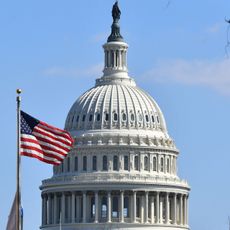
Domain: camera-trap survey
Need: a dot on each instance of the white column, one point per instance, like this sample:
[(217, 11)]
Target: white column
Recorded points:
[(84, 207), (158, 207), (181, 209), (63, 208), (55, 209), (120, 62), (152, 209), (49, 209), (167, 208), (134, 206), (43, 210), (109, 207), (46, 209), (175, 208), (73, 207), (161, 210), (187, 209), (96, 207), (146, 207), (122, 207), (142, 209)]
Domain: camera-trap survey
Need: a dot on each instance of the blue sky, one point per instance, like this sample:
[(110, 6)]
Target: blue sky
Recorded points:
[(53, 51)]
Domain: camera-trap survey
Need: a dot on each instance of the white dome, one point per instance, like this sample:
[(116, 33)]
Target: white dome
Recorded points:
[(115, 107)]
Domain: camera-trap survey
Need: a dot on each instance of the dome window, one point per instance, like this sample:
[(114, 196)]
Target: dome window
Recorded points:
[(91, 117), (154, 164), (84, 163), (106, 116), (153, 120), (77, 118), (147, 118), (115, 117), (126, 163), (124, 117), (98, 117), (83, 118), (136, 163), (104, 163), (146, 163), (94, 163), (158, 119), (76, 164), (115, 163), (132, 117)]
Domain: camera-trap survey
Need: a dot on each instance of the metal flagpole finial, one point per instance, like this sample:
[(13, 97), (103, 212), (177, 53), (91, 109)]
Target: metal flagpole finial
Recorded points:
[(19, 91)]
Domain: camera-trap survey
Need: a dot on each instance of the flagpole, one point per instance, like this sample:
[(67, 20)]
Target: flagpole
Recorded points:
[(18, 198)]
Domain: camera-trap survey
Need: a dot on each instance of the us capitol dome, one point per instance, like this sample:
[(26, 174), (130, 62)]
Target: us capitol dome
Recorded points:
[(121, 172)]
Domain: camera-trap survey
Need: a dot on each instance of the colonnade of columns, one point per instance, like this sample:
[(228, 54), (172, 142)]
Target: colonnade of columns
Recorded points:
[(146, 207)]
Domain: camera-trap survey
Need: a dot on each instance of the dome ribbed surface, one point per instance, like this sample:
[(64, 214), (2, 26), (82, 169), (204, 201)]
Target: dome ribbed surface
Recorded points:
[(115, 107)]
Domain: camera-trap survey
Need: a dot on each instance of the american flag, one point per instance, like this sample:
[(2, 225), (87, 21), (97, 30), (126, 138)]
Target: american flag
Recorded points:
[(42, 141)]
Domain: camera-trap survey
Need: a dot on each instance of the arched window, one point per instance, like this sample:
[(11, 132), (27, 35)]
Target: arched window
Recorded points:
[(115, 163), (106, 116), (136, 163), (68, 164), (77, 118), (98, 117), (162, 164), (153, 120), (123, 116), (104, 164), (83, 118), (104, 207), (147, 118), (84, 163), (94, 163), (168, 165), (76, 164), (154, 164), (158, 119), (90, 117), (115, 117), (115, 207), (146, 163), (126, 163), (132, 117)]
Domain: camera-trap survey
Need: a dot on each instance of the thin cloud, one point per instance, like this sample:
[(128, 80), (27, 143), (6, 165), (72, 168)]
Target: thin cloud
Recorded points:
[(212, 74), (92, 71), (215, 28), (100, 37)]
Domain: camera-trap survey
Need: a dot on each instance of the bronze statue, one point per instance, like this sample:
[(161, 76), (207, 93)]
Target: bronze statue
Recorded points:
[(116, 12)]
